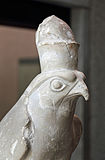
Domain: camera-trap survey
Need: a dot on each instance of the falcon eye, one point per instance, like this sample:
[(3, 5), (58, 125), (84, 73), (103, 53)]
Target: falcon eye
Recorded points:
[(57, 85)]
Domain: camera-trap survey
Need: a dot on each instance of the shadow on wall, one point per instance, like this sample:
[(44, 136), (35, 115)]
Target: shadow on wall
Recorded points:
[(28, 69)]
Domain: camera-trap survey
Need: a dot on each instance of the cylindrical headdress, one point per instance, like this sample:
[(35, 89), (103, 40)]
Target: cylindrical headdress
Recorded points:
[(56, 45)]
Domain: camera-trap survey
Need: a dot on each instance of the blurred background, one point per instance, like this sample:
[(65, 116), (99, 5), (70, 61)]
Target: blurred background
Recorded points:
[(19, 62)]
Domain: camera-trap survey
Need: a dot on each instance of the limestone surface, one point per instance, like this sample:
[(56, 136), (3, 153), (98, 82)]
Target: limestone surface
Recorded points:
[(42, 124)]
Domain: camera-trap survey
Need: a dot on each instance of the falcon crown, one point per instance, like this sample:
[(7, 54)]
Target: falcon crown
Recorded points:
[(56, 45)]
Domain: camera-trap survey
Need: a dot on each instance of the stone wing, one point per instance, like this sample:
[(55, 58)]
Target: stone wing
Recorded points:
[(77, 131), (12, 143)]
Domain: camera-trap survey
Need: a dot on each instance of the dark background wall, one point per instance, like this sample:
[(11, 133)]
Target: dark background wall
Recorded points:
[(29, 13), (97, 80)]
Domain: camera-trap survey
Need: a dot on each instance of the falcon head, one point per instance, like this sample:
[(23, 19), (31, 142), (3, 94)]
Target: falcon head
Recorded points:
[(52, 104), (63, 87)]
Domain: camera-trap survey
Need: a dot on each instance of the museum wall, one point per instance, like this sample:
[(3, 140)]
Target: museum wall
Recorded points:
[(15, 44), (97, 79), (91, 29)]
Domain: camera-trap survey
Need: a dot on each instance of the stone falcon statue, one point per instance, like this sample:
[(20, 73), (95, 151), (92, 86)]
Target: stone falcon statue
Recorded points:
[(42, 124)]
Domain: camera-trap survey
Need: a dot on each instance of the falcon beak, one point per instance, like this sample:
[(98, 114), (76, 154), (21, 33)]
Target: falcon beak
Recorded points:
[(80, 89)]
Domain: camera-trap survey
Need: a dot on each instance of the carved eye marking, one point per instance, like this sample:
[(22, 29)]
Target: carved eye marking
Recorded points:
[(57, 85)]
